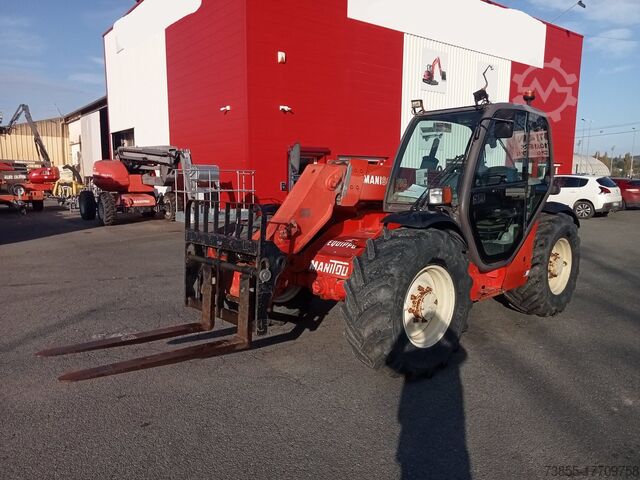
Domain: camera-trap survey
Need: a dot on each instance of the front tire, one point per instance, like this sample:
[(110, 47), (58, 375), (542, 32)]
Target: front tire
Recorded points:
[(87, 204), (554, 268), (106, 209), (169, 206), (407, 301)]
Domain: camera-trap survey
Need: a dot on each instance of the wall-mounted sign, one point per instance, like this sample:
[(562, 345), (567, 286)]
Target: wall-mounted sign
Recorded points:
[(434, 70)]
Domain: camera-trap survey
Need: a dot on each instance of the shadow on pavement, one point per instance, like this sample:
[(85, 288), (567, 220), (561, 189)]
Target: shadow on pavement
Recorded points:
[(53, 220), (432, 443), (310, 321)]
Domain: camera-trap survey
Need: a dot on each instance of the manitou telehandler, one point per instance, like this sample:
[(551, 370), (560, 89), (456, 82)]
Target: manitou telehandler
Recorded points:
[(406, 246)]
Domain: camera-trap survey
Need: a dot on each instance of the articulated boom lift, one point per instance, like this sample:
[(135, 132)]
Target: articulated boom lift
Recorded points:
[(18, 186), (460, 216), (42, 151), (131, 183)]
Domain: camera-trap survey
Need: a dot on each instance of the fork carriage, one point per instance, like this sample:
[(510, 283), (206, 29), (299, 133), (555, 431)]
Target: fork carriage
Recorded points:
[(219, 245)]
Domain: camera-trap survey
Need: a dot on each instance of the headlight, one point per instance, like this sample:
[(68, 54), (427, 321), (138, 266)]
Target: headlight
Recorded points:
[(440, 196)]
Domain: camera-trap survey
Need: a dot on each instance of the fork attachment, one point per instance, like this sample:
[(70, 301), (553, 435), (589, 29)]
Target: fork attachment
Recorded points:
[(231, 269), (230, 273)]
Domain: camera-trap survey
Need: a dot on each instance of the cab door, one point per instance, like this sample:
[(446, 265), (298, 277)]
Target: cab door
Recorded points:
[(498, 195), (511, 182)]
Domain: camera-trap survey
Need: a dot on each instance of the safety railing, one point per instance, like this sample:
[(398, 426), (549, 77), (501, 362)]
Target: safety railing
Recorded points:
[(208, 184)]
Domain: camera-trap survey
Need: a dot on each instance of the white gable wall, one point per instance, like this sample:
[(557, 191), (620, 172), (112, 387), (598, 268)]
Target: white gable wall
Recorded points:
[(136, 65)]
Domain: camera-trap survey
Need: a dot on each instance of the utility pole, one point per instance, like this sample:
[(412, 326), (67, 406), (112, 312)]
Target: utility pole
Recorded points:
[(633, 146), (585, 120), (584, 131), (611, 160)]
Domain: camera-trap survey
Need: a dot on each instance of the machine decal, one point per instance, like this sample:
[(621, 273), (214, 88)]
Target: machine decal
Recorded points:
[(331, 267), (341, 244), (375, 180)]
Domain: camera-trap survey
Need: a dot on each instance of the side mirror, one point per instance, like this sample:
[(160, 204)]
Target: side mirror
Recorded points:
[(555, 189), (503, 128)]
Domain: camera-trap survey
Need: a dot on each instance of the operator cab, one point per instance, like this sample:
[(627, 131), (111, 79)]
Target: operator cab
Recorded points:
[(488, 167)]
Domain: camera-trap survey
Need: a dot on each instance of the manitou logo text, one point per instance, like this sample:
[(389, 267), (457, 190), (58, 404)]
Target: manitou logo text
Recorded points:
[(341, 244), (375, 180), (332, 267)]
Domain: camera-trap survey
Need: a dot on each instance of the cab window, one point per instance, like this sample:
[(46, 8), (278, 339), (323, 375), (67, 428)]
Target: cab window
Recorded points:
[(498, 197)]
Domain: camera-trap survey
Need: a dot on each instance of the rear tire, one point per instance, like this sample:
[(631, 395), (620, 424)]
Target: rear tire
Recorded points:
[(550, 285), (169, 206), (584, 209), (406, 269), (37, 205), (87, 204), (106, 209)]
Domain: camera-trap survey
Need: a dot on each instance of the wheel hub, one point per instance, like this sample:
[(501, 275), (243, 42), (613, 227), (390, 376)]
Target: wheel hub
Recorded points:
[(559, 268), (428, 306), (583, 210), (422, 313)]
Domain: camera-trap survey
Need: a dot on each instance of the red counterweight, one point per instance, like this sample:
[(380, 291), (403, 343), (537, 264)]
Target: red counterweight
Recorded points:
[(111, 176)]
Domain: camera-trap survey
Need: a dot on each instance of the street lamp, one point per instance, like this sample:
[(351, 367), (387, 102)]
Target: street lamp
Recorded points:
[(611, 160), (579, 3)]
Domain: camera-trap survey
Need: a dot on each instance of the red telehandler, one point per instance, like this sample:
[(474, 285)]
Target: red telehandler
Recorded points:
[(407, 246)]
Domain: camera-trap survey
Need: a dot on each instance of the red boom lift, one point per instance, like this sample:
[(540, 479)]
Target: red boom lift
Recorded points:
[(130, 184), (19, 186)]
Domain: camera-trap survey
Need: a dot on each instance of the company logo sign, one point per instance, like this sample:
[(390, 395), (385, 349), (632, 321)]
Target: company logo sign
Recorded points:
[(560, 86)]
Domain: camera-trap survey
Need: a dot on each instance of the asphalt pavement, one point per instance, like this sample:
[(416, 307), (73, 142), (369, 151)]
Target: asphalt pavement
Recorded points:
[(523, 397)]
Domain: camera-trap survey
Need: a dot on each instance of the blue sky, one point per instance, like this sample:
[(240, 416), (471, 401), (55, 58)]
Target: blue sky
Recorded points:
[(51, 55), (51, 58)]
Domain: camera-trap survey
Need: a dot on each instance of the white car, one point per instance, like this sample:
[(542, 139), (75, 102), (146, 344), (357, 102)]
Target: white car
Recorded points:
[(587, 194)]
